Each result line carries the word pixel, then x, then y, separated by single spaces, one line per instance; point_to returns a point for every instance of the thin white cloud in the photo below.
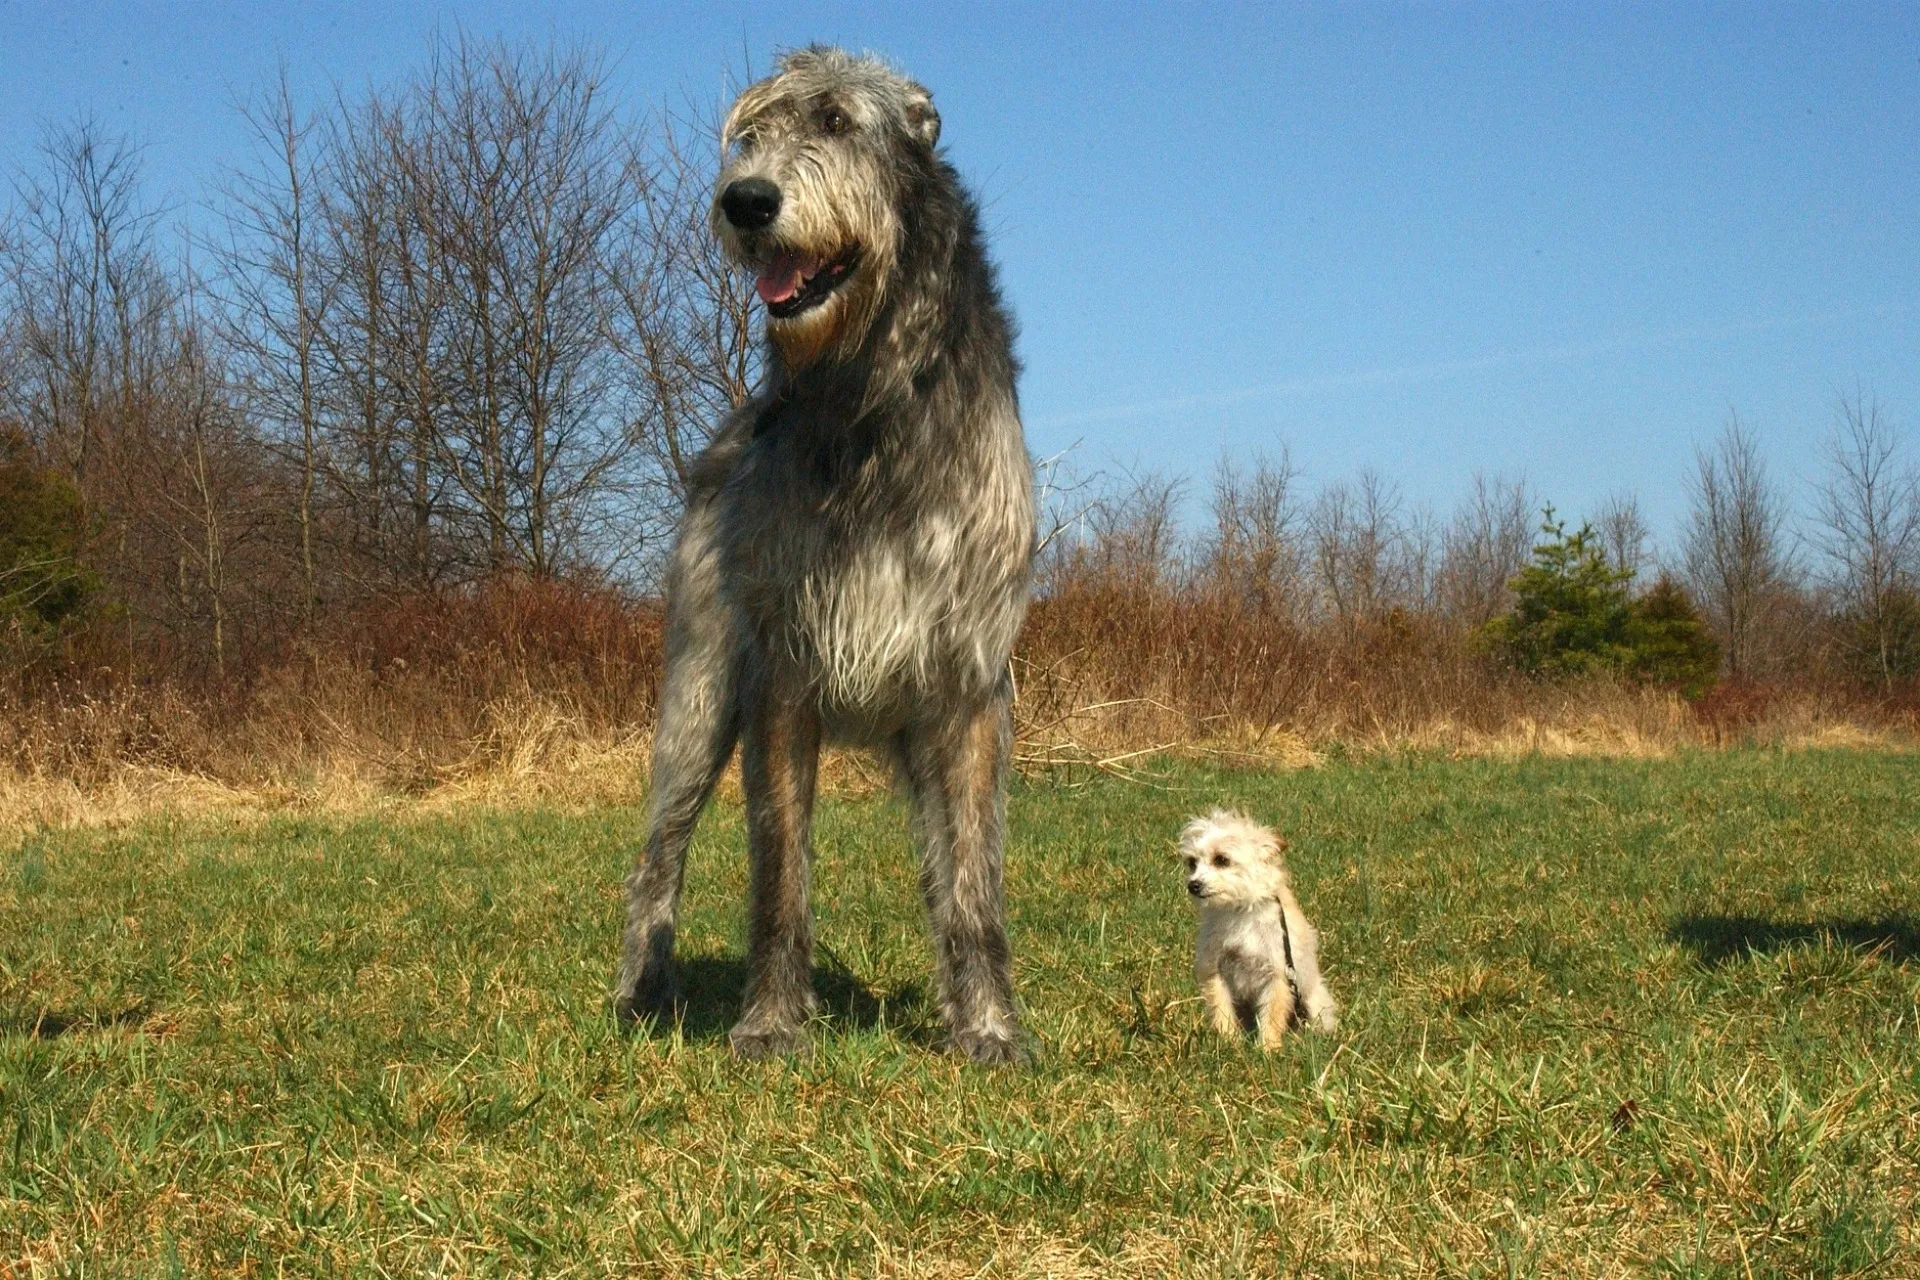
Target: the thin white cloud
pixel 1560 353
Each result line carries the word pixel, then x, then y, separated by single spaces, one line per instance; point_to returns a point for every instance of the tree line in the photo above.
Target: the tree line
pixel 468 327
pixel 1833 596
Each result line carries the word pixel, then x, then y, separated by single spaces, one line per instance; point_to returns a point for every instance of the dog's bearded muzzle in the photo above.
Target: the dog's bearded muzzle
pixel 790 281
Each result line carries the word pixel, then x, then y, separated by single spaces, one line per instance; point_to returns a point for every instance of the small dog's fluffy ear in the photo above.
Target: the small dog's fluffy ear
pixel 1271 842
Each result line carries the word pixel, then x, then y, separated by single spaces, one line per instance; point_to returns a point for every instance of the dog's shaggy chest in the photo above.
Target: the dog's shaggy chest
pixel 1240 935
pixel 1249 976
pixel 874 581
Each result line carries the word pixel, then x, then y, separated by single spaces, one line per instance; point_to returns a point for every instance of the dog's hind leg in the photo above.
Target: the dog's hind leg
pixel 956 770
pixel 1304 946
pixel 699 722
pixel 780 762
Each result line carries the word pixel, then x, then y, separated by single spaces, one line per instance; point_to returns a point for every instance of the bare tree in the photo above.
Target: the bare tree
pixel 1419 556
pixel 422 284
pixel 1624 533
pixel 275 304
pixel 1869 534
pixel 1136 534
pixel 91 304
pixel 1484 546
pixel 682 319
pixel 416 323
pixel 130 392
pixel 1356 545
pixel 1128 537
pixel 527 191
pixel 365 211
pixel 1736 560
pixel 88 294
pixel 1256 550
pixel 1063 498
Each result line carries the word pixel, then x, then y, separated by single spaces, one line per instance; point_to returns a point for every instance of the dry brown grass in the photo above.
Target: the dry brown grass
pixel 1107 681
pixel 541 692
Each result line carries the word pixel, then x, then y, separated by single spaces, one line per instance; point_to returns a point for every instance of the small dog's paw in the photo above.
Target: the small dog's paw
pixel 991 1048
pixel 1322 1013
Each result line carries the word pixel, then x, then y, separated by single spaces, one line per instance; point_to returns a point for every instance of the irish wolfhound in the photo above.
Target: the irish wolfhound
pixel 854 559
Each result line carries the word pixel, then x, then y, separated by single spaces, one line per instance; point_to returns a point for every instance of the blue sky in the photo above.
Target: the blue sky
pixel 1564 241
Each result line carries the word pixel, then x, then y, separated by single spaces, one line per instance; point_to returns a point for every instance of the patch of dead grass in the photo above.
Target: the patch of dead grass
pixel 535 751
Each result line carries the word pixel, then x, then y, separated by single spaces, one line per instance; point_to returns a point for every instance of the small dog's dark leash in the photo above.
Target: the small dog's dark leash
pixel 1286 945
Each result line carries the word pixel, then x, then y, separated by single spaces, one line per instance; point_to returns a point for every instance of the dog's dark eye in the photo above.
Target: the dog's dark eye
pixel 1219 859
pixel 1192 863
pixel 835 121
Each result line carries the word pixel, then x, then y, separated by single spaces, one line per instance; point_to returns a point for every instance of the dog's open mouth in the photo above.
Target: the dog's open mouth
pixel 797 282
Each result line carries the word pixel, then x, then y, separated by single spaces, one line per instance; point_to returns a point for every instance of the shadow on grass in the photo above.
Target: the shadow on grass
pixel 712 988
pixel 51 1024
pixel 1718 940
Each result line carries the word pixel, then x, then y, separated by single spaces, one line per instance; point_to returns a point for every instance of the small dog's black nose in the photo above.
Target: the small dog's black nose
pixel 1193 887
pixel 750 203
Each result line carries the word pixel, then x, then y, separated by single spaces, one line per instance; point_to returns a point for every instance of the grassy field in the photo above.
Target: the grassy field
pixel 1601 1018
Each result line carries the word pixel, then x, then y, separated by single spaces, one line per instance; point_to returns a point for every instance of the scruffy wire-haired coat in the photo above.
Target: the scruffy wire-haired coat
pixel 1257 956
pixel 854 559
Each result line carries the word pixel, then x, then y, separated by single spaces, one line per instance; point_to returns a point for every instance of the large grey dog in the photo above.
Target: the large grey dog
pixel 855 556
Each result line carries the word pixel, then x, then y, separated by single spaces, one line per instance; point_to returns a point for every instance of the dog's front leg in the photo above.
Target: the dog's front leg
pixel 957 771
pixel 1276 1014
pixel 691 745
pixel 779 760
pixel 1220 1012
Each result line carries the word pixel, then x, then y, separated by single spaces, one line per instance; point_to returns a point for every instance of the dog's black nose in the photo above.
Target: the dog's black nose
pixel 750 203
pixel 1193 887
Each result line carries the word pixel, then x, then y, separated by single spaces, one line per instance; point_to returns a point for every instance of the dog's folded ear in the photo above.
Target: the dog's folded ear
pixel 923 122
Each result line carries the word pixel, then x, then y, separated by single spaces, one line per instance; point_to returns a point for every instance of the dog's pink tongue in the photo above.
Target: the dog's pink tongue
pixel 783 277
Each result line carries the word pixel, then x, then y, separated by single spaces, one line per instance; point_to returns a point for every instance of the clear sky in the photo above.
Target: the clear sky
pixel 1558 240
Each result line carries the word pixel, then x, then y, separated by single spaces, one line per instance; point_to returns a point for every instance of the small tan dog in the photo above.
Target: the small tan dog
pixel 1257 957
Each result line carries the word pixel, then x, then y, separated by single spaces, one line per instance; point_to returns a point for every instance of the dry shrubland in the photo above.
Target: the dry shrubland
pixel 519 688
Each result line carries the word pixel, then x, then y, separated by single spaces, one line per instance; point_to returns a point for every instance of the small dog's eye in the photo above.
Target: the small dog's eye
pixel 1192 863
pixel 835 121
pixel 1219 859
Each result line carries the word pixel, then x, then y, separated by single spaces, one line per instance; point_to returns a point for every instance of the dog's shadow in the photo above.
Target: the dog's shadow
pixel 713 986
pixel 51 1024
pixel 1717 940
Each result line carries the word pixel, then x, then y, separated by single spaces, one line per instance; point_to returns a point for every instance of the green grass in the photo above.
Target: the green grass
pixel 1601 1018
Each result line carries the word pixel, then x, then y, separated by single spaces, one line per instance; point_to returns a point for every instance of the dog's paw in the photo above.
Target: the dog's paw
pixel 651 997
pixel 1322 1014
pixel 763 1040
pixel 992 1049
